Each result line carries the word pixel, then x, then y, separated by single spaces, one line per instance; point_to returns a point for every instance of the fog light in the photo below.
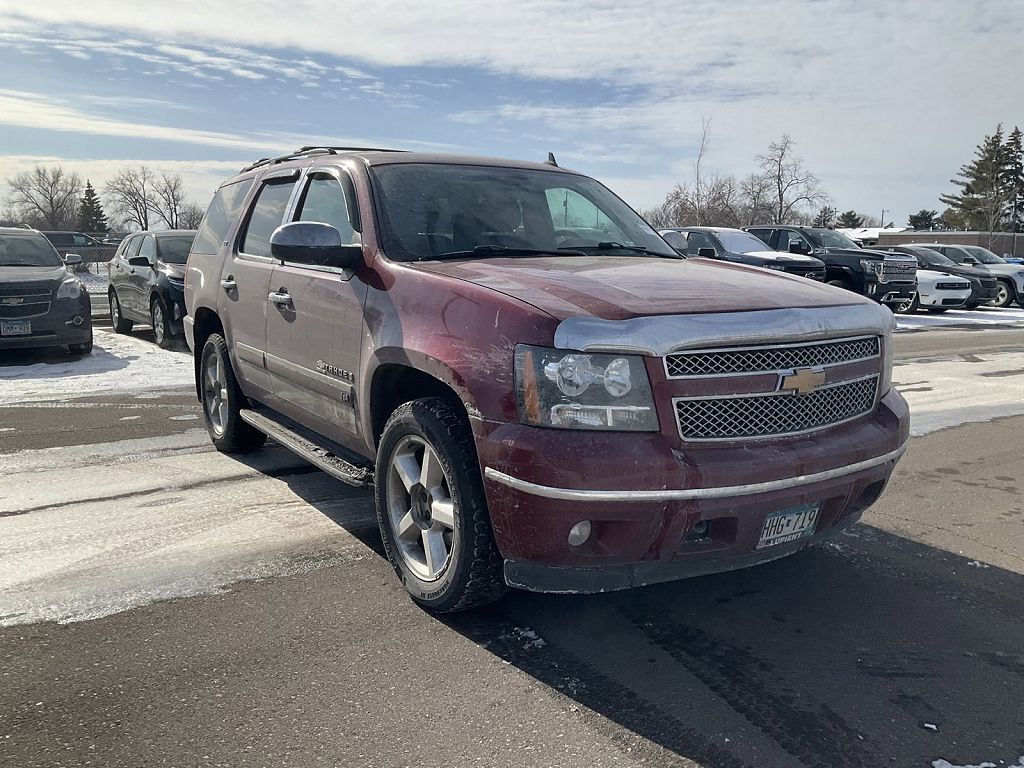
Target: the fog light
pixel 579 533
pixel 699 531
pixel 79 320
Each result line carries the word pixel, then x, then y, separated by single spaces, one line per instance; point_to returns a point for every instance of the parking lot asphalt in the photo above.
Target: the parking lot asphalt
pixel 167 605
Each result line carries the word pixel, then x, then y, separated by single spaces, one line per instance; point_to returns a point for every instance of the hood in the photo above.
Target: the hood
pixel 617 288
pixel 929 278
pixel 177 271
pixel 781 257
pixel 14 276
pixel 963 270
pixel 861 253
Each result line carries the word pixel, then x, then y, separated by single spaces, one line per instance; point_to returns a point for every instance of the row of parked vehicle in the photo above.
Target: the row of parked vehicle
pixel 932 276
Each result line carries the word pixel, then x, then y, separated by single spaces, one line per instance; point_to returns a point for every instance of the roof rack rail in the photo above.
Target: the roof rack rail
pixel 313 150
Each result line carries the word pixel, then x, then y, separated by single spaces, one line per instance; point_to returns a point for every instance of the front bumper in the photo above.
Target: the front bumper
pixel 57 328
pixel 644 496
pixel 890 292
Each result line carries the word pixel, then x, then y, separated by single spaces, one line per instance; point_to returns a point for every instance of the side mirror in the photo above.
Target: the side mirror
pixel 706 252
pixel 969 260
pixel 315 244
pixel 795 246
pixel 72 259
pixel 139 261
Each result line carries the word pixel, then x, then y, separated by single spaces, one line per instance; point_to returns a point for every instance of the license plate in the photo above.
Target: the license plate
pixel 15 328
pixel 789 525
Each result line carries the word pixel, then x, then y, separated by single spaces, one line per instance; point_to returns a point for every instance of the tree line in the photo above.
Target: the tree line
pixel 52 198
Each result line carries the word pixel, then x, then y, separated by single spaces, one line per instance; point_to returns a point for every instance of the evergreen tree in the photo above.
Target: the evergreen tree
pixel 1013 180
pixel 825 217
pixel 982 200
pixel 850 220
pixel 90 213
pixel 924 219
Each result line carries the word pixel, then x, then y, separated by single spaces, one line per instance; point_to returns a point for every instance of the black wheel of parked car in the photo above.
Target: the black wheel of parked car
pixel 160 322
pixel 1004 295
pixel 937 310
pixel 432 511
pixel 222 400
pixel 82 349
pixel 116 318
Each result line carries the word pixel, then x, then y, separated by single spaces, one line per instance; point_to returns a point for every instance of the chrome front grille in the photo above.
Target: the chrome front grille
pixel 769 359
pixel 899 269
pixel 731 417
pixel 17 305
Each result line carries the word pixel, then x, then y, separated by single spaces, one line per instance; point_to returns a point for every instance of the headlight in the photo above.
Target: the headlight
pixel 71 288
pixel 580 390
pixel 871 267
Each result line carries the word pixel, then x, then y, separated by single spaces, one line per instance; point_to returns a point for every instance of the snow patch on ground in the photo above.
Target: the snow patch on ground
pixel 118 364
pixel 1008 316
pixel 946 393
pixel 95 285
pixel 946 764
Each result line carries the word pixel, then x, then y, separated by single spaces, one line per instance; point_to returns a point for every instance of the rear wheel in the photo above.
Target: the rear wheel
pixel 116 317
pixel 1004 295
pixel 222 401
pixel 431 509
pixel 161 325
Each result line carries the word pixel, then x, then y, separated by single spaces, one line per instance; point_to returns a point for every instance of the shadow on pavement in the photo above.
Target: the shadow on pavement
pixel 869 652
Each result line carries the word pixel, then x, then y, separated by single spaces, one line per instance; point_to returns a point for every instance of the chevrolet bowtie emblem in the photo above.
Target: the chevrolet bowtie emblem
pixel 801 380
pixel 11 300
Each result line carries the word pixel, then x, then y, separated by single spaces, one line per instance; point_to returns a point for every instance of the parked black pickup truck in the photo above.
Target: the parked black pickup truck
pixel 888 278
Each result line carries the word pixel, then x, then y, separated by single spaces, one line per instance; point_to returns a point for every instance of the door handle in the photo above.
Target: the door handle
pixel 228 283
pixel 281 298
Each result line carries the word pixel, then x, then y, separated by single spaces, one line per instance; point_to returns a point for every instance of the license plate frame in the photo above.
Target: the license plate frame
pixel 15 327
pixel 788 525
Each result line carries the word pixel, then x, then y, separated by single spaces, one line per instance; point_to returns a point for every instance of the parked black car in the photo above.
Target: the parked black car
pixel 888 278
pixel 737 246
pixel 984 287
pixel 41 303
pixel 147 282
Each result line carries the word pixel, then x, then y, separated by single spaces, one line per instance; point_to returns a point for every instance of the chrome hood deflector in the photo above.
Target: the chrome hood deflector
pixel 660 334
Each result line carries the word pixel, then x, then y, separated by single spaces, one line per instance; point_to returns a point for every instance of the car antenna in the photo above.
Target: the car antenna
pixel 551 160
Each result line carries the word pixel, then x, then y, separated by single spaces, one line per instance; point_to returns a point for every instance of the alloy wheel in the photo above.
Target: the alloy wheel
pixel 215 393
pixel 158 322
pixel 421 510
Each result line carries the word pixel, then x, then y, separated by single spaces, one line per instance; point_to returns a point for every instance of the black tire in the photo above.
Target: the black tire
pixel 473 573
pixel 227 430
pixel 936 310
pixel 160 322
pixel 116 316
pixel 1006 295
pixel 82 349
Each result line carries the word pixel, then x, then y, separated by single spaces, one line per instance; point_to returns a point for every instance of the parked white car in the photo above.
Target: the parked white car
pixel 939 291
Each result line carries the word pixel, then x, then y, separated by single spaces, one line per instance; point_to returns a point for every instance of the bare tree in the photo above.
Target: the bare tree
pixel 190 216
pixel 130 194
pixel 793 185
pixel 756 192
pixel 46 198
pixel 167 199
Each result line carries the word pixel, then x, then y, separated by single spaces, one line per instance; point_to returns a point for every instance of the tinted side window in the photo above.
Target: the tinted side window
pixel 324 201
pixel 266 216
pixel 764 234
pixel 787 236
pixel 148 248
pixel 82 240
pixel 220 216
pixel 133 247
pixel 697 240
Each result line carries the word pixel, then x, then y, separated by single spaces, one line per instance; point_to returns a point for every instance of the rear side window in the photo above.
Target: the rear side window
pixel 764 234
pixel 220 216
pixel 133 247
pixel 267 215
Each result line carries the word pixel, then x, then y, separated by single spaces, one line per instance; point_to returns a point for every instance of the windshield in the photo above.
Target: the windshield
pixel 930 258
pixel 738 241
pixel 827 238
pixel 433 211
pixel 27 251
pixel 984 255
pixel 174 249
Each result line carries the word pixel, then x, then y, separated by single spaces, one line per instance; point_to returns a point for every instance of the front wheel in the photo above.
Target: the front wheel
pixel 908 307
pixel 161 325
pixel 1004 295
pixel 222 401
pixel 431 509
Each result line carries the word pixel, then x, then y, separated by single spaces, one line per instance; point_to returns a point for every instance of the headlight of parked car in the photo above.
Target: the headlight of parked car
pixel 871 267
pixel 580 390
pixel 70 288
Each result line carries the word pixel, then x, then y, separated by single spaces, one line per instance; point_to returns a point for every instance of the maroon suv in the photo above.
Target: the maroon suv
pixel 542 392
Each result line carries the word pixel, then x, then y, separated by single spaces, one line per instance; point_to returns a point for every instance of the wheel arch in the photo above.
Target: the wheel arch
pixel 206 322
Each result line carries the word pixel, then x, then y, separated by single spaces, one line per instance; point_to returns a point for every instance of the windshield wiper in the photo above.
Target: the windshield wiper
pixel 501 250
pixel 613 246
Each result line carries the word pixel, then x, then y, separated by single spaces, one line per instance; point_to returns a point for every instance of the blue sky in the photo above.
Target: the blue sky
pixel 884 100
